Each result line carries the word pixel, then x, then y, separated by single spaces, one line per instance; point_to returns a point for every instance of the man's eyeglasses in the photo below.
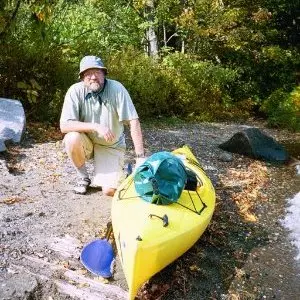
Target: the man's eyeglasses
pixel 90 73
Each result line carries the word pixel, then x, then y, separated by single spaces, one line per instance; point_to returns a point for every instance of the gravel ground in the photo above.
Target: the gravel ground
pixel 244 254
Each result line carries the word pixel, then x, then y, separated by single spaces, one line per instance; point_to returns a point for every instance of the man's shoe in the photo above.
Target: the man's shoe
pixel 82 186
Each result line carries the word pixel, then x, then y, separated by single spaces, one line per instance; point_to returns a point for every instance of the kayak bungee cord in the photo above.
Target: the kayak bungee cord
pixel 125 189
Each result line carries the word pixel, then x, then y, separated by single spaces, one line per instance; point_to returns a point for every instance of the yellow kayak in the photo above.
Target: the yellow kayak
pixel 149 236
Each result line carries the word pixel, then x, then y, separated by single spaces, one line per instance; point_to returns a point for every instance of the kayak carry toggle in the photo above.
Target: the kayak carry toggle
pixel 164 219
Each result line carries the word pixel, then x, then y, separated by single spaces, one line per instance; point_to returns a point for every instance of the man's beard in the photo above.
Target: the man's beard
pixel 95 86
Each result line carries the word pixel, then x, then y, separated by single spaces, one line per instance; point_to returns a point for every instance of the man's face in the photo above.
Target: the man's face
pixel 94 79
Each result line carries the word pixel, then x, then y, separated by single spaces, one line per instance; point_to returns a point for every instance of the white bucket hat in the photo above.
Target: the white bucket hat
pixel 91 62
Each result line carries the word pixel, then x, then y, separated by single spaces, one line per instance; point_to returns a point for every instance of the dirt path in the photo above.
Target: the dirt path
pixel 245 253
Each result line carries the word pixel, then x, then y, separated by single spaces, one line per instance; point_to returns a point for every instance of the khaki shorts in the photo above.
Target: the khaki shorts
pixel 108 163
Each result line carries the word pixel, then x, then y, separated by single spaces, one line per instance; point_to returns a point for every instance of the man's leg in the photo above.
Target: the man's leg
pixel 79 148
pixel 109 163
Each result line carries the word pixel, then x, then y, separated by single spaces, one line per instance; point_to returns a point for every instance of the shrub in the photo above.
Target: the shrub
pixel 204 86
pixel 176 86
pixel 153 93
pixel 283 109
pixel 37 78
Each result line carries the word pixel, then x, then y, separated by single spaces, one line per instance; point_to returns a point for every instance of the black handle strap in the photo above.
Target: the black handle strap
pixel 109 230
pixel 164 218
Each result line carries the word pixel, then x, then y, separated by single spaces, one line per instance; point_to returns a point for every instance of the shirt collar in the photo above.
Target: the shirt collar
pixel 96 94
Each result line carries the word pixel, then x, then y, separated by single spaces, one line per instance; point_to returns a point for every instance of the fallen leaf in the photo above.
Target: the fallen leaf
pixel 83 284
pixel 11 200
pixel 101 279
pixel 194 268
pixel 81 271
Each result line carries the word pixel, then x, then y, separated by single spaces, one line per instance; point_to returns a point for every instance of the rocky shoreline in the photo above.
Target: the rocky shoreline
pixel 244 254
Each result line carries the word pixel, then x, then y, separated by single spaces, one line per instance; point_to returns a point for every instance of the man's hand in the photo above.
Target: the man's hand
pixel 139 161
pixel 85 127
pixel 104 132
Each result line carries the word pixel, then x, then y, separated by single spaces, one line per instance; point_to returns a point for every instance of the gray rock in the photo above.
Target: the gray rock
pixel 18 286
pixel 12 122
pixel 226 156
pixel 256 144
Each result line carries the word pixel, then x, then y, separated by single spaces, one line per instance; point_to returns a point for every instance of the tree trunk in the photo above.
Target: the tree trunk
pixel 150 32
pixel 152 42
pixel 165 35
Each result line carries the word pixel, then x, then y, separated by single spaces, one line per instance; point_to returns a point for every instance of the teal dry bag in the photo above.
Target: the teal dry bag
pixel 161 178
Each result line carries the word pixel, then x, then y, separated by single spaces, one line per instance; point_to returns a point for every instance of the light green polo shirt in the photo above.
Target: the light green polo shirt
pixel 81 105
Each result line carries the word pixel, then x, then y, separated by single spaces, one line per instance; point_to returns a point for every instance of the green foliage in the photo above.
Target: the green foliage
pixel 97 27
pixel 276 67
pixel 32 89
pixel 153 92
pixel 235 56
pixel 177 86
pixel 202 86
pixel 39 81
pixel 283 108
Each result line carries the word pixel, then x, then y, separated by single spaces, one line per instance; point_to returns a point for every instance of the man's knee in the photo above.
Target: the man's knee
pixel 72 138
pixel 108 191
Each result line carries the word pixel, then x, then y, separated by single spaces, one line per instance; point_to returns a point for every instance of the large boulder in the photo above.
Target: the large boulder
pixel 254 143
pixel 12 122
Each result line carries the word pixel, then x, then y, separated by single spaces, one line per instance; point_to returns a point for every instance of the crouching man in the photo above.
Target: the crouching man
pixel 93 116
